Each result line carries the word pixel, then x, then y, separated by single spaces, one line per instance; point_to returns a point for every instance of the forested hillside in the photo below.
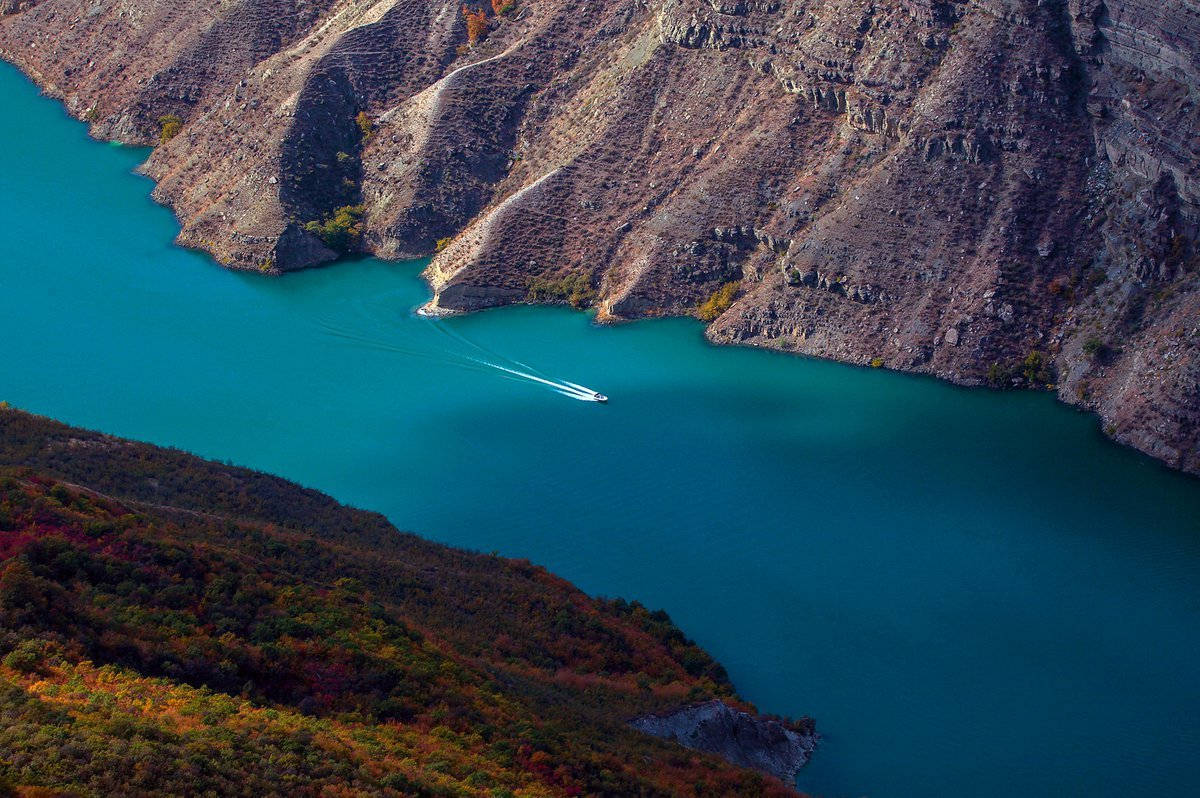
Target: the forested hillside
pixel 172 626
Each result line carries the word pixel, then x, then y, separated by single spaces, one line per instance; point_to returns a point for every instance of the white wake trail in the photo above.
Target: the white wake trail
pixel 464 360
pixel 565 388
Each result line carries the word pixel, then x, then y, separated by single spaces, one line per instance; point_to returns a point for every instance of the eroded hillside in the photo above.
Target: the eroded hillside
pixel 1002 191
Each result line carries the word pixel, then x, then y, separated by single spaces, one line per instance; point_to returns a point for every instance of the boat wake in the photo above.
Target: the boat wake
pixel 438 343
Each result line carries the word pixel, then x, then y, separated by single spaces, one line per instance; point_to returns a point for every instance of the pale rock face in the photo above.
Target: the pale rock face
pixel 936 186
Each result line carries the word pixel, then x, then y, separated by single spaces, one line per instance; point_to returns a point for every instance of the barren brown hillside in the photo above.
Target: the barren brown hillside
pixel 994 190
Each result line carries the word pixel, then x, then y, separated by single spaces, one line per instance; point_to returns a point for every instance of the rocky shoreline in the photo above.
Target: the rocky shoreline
pixel 768 746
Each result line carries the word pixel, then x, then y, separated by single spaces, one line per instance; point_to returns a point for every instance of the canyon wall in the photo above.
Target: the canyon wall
pixel 1003 191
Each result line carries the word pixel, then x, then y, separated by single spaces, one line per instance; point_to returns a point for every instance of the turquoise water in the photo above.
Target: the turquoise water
pixel 973 593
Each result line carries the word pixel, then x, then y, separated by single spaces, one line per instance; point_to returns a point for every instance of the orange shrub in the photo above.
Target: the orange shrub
pixel 477 24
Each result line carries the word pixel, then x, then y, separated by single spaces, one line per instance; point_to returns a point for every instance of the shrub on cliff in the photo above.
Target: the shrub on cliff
pixel 477 24
pixel 169 127
pixel 341 229
pixel 501 7
pixel 365 125
pixel 574 289
pixel 1096 349
pixel 1035 369
pixel 719 302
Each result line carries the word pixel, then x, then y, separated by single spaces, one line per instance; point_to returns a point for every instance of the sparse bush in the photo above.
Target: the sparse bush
pixel 365 125
pixel 1177 252
pixel 1037 369
pixel 341 230
pixel 1058 286
pixel 1095 348
pixel 477 24
pixel 1034 369
pixel 169 127
pixel 719 302
pixel 997 376
pixel 442 243
pixel 502 7
pixel 575 289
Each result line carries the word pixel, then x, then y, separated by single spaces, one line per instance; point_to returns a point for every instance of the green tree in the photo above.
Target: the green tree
pixel 1036 368
pixel 25 658
pixel 341 229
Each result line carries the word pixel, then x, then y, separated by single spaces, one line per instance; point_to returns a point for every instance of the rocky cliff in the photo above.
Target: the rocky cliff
pixel 766 745
pixel 992 190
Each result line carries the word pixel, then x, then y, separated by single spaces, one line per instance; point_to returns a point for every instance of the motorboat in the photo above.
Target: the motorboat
pixel 599 397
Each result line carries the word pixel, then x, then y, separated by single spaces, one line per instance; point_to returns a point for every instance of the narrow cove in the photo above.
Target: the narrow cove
pixel 973 593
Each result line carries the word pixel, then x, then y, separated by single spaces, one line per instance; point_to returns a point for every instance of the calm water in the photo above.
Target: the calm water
pixel 973 593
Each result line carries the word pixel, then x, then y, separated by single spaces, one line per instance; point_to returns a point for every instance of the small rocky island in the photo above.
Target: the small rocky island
pixel 769 746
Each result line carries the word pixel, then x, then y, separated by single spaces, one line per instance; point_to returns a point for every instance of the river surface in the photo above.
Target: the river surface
pixel 974 593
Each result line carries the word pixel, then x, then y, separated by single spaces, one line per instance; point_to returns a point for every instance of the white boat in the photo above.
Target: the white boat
pixel 599 397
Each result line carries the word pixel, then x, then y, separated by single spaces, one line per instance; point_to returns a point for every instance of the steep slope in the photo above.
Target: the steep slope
pixel 999 191
pixel 170 626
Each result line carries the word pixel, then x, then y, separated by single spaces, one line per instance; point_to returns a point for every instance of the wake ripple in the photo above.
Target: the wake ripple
pixel 463 353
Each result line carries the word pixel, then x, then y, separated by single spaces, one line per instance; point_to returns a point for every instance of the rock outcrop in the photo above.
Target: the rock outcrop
pixel 947 187
pixel 768 746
